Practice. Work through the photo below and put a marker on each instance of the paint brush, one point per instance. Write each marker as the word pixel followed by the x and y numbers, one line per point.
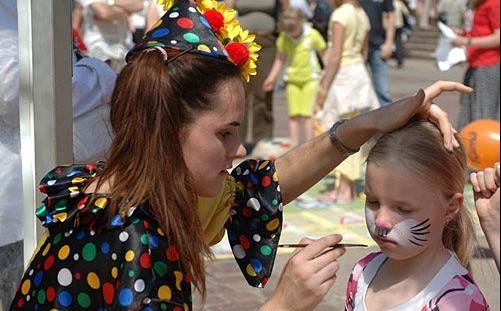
pixel 334 246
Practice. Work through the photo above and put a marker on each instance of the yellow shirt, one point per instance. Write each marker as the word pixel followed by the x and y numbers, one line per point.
pixel 356 27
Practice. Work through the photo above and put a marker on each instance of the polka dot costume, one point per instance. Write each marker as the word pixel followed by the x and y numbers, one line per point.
pixel 92 261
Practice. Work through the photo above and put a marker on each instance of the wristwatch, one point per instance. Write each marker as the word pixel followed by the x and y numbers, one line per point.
pixel 342 148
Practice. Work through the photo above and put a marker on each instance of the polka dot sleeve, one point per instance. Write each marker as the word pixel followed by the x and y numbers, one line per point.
pixel 255 222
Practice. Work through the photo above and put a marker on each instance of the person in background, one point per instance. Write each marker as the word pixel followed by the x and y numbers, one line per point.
pixel 452 12
pixel 297 46
pixel 345 88
pixel 106 31
pixel 401 12
pixel 414 211
pixel 380 45
pixel 482 46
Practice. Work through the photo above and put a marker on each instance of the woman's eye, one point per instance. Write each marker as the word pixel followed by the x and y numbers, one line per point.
pixel 225 134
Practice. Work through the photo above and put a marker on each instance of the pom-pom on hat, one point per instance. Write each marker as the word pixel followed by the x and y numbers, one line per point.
pixel 205 27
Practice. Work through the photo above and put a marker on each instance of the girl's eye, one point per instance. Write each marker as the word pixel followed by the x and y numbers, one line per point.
pixel 403 210
pixel 372 204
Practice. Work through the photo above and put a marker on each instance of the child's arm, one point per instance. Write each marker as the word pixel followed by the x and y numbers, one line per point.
pixel 278 64
pixel 333 59
pixel 486 190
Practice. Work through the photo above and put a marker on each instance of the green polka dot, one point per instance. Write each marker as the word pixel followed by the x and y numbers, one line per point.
pixel 160 268
pixel 155 43
pixel 41 210
pixel 89 252
pixel 266 250
pixel 49 176
pixel 57 238
pixel 60 206
pixel 83 300
pixel 136 221
pixel 144 239
pixel 191 37
pixel 163 306
pixel 265 217
pixel 131 273
pixel 41 297
pixel 274 202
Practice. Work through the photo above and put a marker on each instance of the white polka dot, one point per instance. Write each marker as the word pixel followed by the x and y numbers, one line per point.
pixel 64 277
pixel 28 298
pixel 281 207
pixel 174 15
pixel 246 172
pixel 239 251
pixel 114 256
pixel 238 170
pixel 256 237
pixel 31 272
pixel 173 41
pixel 233 212
pixel 51 182
pixel 278 188
pixel 68 233
pixel 215 49
pixel 139 285
pixel 76 257
pixel 124 236
pixel 131 211
pixel 92 233
pixel 254 204
pixel 192 9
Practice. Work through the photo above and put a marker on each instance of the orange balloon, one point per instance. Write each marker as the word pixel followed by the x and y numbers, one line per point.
pixel 481 141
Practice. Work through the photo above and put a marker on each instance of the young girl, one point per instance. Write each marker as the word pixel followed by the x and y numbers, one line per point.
pixel 346 89
pixel 415 213
pixel 298 44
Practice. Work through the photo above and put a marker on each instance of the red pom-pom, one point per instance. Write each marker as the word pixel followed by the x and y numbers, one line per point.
pixel 239 53
pixel 215 19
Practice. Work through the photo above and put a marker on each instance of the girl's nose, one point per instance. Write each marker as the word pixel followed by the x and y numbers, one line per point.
pixel 383 223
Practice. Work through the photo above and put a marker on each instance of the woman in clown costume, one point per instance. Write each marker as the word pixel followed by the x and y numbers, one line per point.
pixel 132 233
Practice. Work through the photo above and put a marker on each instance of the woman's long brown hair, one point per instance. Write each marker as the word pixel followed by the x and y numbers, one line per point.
pixel 150 107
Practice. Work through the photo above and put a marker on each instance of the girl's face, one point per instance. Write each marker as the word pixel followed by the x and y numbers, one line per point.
pixel 212 142
pixel 404 215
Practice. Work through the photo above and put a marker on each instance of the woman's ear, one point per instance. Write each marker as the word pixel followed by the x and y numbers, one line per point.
pixel 453 206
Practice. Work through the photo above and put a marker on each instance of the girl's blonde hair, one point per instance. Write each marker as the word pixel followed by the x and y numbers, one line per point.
pixel 418 146
pixel 290 20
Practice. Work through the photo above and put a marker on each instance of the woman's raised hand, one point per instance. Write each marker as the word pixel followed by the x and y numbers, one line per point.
pixel 397 114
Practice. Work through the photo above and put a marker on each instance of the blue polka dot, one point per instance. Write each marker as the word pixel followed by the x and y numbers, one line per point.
pixel 116 221
pixel 253 179
pixel 159 33
pixel 231 236
pixel 257 265
pixel 147 309
pixel 204 22
pixel 125 297
pixel 80 235
pixel 64 299
pixel 105 248
pixel 38 278
pixel 153 239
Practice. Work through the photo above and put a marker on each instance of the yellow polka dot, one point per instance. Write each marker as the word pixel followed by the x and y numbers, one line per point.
pixel 101 202
pixel 263 164
pixel 275 177
pixel 186 308
pixel 63 252
pixel 272 225
pixel 25 288
pixel 129 256
pixel 46 249
pixel 164 292
pixel 114 272
pixel 73 189
pixel 61 216
pixel 160 232
pixel 204 48
pixel 250 270
pixel 78 180
pixel 157 24
pixel 93 280
pixel 179 278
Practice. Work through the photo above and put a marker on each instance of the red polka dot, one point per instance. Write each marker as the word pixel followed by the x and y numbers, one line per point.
pixel 264 281
pixel 145 261
pixel 77 276
pixel 108 293
pixel 185 23
pixel 20 303
pixel 146 224
pixel 245 242
pixel 48 263
pixel 51 294
pixel 177 309
pixel 187 278
pixel 172 253
pixel 247 212
pixel 266 181
pixel 82 202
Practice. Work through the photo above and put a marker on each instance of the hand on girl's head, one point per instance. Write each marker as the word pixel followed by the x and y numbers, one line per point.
pixel 487 181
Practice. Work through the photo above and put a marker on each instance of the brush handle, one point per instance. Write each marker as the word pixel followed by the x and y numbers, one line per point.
pixel 334 246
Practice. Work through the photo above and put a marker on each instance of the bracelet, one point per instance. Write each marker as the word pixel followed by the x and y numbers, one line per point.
pixel 342 148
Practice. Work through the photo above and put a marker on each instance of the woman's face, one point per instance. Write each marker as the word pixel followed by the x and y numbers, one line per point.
pixel 404 215
pixel 212 142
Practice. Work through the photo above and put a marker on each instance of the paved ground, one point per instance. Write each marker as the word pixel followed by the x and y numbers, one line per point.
pixel 227 289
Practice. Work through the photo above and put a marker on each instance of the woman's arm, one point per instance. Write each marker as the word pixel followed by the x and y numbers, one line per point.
pixel 365 48
pixel 104 11
pixel 486 191
pixel 305 165
pixel 486 42
pixel 278 64
pixel 333 61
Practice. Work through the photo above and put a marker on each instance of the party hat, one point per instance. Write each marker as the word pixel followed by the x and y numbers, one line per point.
pixel 205 27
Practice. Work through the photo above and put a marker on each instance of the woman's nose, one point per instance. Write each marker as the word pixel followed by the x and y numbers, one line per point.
pixel 241 152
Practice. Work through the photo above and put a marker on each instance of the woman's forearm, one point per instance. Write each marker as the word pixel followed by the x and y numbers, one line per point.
pixel 487 42
pixel 490 227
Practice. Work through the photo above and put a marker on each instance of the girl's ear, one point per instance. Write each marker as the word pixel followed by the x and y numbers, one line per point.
pixel 453 206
